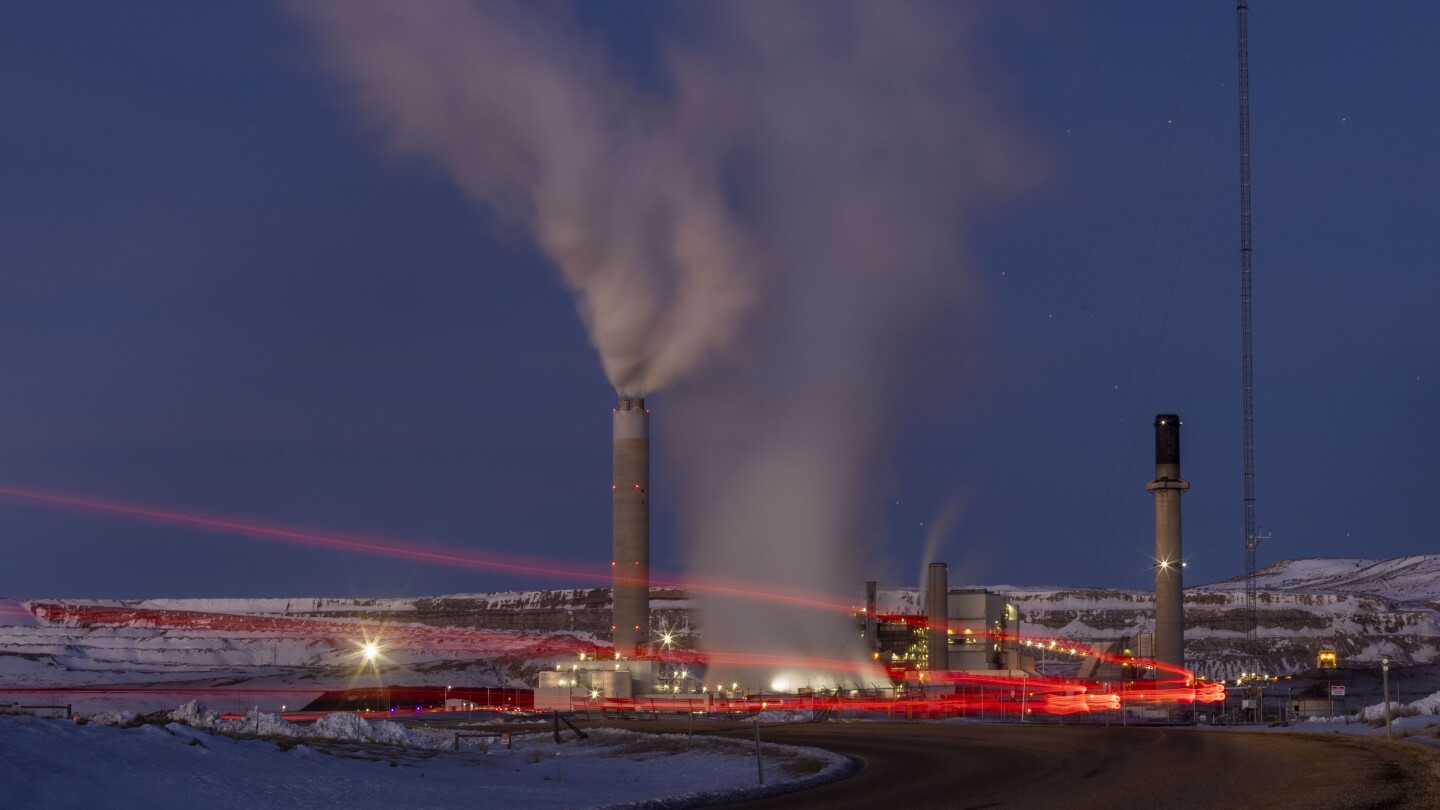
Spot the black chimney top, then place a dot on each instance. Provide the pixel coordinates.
(1167, 439)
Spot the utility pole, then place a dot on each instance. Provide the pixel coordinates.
(1247, 351)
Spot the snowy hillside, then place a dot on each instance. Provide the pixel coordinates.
(1403, 579)
(274, 652)
(1362, 608)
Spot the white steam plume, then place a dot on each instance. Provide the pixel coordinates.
(794, 202)
(873, 139)
(937, 531)
(521, 107)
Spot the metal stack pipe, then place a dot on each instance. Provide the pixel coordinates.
(630, 563)
(1169, 560)
(937, 602)
(871, 627)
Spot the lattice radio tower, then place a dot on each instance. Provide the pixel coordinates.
(1247, 355)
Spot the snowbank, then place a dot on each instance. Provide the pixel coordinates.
(339, 726)
(53, 763)
(342, 726)
(255, 723)
(115, 717)
(1426, 706)
(1417, 722)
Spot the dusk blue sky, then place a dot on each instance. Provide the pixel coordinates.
(220, 291)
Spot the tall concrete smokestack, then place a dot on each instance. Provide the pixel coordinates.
(936, 607)
(630, 563)
(1169, 561)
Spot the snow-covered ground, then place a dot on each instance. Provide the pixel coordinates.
(272, 652)
(57, 764)
(1404, 579)
(1416, 721)
(1363, 608)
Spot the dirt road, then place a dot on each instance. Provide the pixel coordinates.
(923, 765)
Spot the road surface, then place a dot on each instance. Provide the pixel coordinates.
(941, 765)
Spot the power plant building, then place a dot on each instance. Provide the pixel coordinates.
(962, 629)
(572, 685)
(981, 632)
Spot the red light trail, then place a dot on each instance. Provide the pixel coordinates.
(402, 636)
(403, 549)
(400, 549)
(1059, 696)
(959, 692)
(510, 642)
(229, 524)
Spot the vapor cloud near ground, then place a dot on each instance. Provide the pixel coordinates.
(779, 222)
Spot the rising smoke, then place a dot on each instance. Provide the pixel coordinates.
(937, 532)
(781, 227)
(520, 105)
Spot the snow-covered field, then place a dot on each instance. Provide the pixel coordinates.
(348, 763)
(1416, 721)
(240, 653)
(272, 652)
(1363, 608)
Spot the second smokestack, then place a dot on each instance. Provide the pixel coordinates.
(871, 626)
(937, 604)
(630, 561)
(1169, 560)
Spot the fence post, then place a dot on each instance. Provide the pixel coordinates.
(759, 761)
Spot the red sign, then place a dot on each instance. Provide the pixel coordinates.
(1337, 690)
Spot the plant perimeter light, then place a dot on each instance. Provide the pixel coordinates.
(370, 650)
